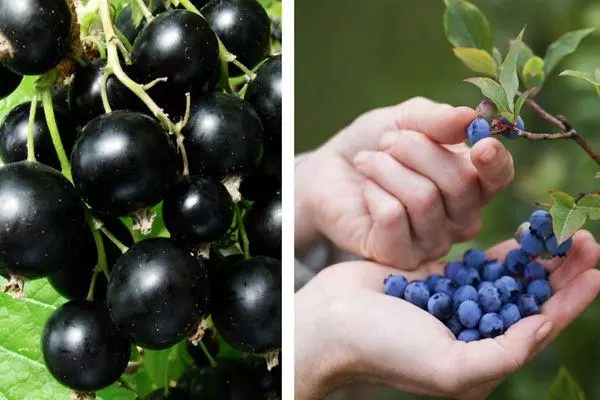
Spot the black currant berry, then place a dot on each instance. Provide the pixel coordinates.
(263, 226)
(180, 46)
(157, 292)
(173, 394)
(231, 379)
(34, 34)
(198, 355)
(74, 281)
(223, 137)
(264, 94)
(123, 162)
(42, 220)
(246, 305)
(265, 181)
(198, 210)
(244, 28)
(125, 25)
(15, 127)
(82, 348)
(86, 93)
(9, 81)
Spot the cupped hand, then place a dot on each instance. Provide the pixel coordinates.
(348, 331)
(398, 186)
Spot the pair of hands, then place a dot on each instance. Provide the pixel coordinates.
(398, 186)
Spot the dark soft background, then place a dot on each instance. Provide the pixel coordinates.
(355, 55)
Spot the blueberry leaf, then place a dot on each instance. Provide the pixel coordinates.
(477, 60)
(466, 26)
(564, 387)
(509, 78)
(23, 374)
(521, 101)
(584, 77)
(533, 72)
(590, 203)
(564, 46)
(567, 217)
(524, 56)
(492, 90)
(497, 56)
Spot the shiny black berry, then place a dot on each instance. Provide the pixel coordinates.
(265, 181)
(198, 210)
(244, 28)
(34, 34)
(82, 348)
(223, 137)
(246, 305)
(86, 93)
(9, 81)
(231, 379)
(42, 220)
(263, 225)
(124, 21)
(157, 293)
(264, 94)
(180, 46)
(15, 127)
(212, 345)
(123, 162)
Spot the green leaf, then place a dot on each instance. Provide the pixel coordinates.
(477, 60)
(23, 374)
(567, 218)
(136, 13)
(584, 77)
(521, 100)
(590, 203)
(564, 46)
(564, 387)
(508, 70)
(525, 54)
(22, 94)
(163, 366)
(497, 56)
(533, 72)
(492, 90)
(466, 26)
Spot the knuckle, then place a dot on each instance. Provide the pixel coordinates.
(426, 199)
(392, 215)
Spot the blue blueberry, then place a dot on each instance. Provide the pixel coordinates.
(469, 335)
(540, 289)
(534, 270)
(491, 325)
(454, 325)
(510, 314)
(417, 293)
(532, 244)
(528, 305)
(516, 261)
(395, 285)
(467, 276)
(440, 306)
(541, 223)
(489, 298)
(445, 285)
(431, 281)
(474, 258)
(556, 250)
(477, 130)
(493, 270)
(464, 293)
(452, 268)
(513, 133)
(469, 313)
(508, 288)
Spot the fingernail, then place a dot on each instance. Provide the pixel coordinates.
(360, 157)
(488, 155)
(543, 331)
(387, 140)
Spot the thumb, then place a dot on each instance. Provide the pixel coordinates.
(493, 358)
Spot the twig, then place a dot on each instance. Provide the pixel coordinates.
(123, 248)
(30, 128)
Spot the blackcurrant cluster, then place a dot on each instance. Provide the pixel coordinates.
(214, 178)
(481, 298)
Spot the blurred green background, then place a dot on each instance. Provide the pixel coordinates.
(355, 55)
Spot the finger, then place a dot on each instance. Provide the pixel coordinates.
(491, 359)
(494, 165)
(389, 240)
(420, 197)
(454, 175)
(440, 122)
(583, 256)
(499, 251)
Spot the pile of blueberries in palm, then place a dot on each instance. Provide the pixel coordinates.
(481, 298)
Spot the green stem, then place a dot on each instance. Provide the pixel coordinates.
(104, 91)
(145, 10)
(55, 134)
(102, 263)
(114, 239)
(90, 295)
(123, 40)
(242, 67)
(243, 236)
(30, 128)
(211, 359)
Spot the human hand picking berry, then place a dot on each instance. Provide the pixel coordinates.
(398, 185)
(366, 336)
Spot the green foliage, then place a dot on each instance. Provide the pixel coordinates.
(466, 26)
(521, 101)
(564, 46)
(570, 214)
(136, 13)
(565, 387)
(164, 366)
(589, 78)
(23, 93)
(509, 78)
(533, 72)
(492, 90)
(477, 60)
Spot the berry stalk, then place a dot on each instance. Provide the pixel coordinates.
(30, 140)
(65, 165)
